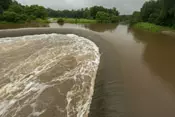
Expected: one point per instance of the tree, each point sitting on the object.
(160, 12)
(16, 7)
(95, 9)
(135, 18)
(10, 16)
(114, 19)
(87, 13)
(36, 11)
(4, 4)
(102, 17)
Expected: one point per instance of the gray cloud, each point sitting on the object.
(124, 6)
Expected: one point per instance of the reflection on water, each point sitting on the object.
(101, 27)
(159, 54)
(93, 27)
(148, 68)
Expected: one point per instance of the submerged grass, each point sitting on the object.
(149, 27)
(33, 23)
(81, 20)
(152, 27)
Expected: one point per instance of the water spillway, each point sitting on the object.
(46, 46)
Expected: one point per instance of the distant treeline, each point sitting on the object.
(15, 12)
(160, 12)
(12, 11)
(99, 13)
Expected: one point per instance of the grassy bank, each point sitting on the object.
(33, 23)
(151, 27)
(72, 20)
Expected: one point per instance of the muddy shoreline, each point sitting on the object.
(108, 99)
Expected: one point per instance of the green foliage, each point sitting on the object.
(149, 27)
(125, 19)
(16, 7)
(37, 11)
(4, 4)
(135, 18)
(161, 12)
(11, 16)
(86, 13)
(102, 17)
(114, 19)
(94, 10)
(74, 20)
(19, 13)
(44, 21)
(60, 20)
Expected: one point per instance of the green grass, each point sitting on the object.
(41, 21)
(149, 27)
(73, 20)
(44, 21)
(24, 24)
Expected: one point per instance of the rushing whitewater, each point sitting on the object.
(49, 75)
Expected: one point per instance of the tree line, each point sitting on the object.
(160, 12)
(98, 13)
(12, 11)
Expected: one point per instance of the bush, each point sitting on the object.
(114, 19)
(42, 21)
(102, 17)
(1, 17)
(148, 27)
(10, 16)
(31, 17)
(13, 17)
(60, 20)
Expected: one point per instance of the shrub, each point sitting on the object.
(60, 20)
(30, 18)
(10, 16)
(114, 19)
(102, 17)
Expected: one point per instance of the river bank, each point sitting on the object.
(154, 28)
(74, 20)
(33, 23)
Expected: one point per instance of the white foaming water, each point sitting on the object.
(49, 75)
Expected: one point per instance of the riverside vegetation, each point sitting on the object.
(12, 12)
(87, 15)
(155, 16)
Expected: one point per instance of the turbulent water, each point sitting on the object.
(47, 75)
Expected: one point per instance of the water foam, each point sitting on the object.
(47, 75)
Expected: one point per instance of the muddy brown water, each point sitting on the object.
(136, 77)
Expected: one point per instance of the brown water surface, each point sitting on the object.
(148, 69)
(147, 78)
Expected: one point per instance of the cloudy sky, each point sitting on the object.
(124, 6)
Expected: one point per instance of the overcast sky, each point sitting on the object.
(124, 6)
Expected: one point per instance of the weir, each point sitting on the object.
(109, 96)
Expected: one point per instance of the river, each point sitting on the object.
(142, 67)
(148, 68)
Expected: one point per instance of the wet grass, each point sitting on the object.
(152, 27)
(33, 23)
(149, 27)
(81, 20)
